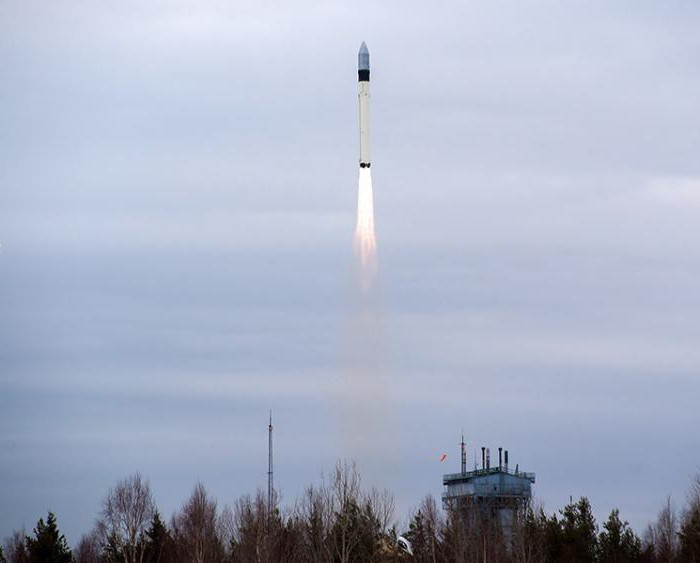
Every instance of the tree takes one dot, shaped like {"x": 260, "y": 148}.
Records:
{"x": 126, "y": 512}
{"x": 666, "y": 534}
{"x": 195, "y": 529}
{"x": 158, "y": 541}
{"x": 256, "y": 535}
{"x": 290, "y": 544}
{"x": 313, "y": 515}
{"x": 250, "y": 528}
{"x": 422, "y": 544}
{"x": 423, "y": 532}
{"x": 417, "y": 534}
{"x": 344, "y": 496}
{"x": 649, "y": 545}
{"x": 89, "y": 549}
{"x": 460, "y": 538}
{"x": 617, "y": 542}
{"x": 574, "y": 538}
{"x": 48, "y": 544}
{"x": 529, "y": 538}
{"x": 690, "y": 525}
{"x": 359, "y": 521}
{"x": 2, "y": 556}
{"x": 16, "y": 551}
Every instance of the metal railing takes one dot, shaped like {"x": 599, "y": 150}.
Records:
{"x": 484, "y": 472}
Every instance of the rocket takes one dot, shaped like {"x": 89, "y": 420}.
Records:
{"x": 363, "y": 94}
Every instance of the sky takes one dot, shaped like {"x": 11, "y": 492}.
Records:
{"x": 178, "y": 187}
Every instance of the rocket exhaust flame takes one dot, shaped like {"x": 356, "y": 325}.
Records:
{"x": 365, "y": 243}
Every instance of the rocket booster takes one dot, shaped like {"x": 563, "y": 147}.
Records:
{"x": 363, "y": 94}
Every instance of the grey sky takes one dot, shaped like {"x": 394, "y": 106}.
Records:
{"x": 177, "y": 197}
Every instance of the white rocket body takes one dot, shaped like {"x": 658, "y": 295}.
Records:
{"x": 363, "y": 94}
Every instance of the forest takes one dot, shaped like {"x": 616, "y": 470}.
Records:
{"x": 340, "y": 521}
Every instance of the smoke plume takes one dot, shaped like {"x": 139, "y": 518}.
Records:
{"x": 366, "y": 383}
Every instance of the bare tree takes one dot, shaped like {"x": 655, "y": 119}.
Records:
{"x": 345, "y": 503}
{"x": 15, "y": 549}
{"x": 434, "y": 522}
{"x": 250, "y": 528}
{"x": 665, "y": 534}
{"x": 314, "y": 513}
{"x": 649, "y": 541}
{"x": 226, "y": 527}
{"x": 382, "y": 505}
{"x": 126, "y": 512}
{"x": 458, "y": 534}
{"x": 528, "y": 540}
{"x": 473, "y": 532}
{"x": 259, "y": 536}
{"x": 89, "y": 549}
{"x": 195, "y": 529}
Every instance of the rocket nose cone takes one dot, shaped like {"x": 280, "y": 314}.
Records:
{"x": 363, "y": 57}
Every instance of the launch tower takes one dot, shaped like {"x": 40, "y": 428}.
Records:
{"x": 497, "y": 493}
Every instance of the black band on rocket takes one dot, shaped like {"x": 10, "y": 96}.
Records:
{"x": 363, "y": 75}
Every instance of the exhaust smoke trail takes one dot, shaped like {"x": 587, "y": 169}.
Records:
{"x": 365, "y": 243}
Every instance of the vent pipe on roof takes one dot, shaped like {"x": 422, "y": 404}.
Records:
{"x": 483, "y": 457}
{"x": 488, "y": 458}
{"x": 500, "y": 458}
{"x": 506, "y": 460}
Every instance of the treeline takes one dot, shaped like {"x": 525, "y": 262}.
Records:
{"x": 339, "y": 521}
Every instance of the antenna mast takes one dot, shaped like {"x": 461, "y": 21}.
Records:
{"x": 464, "y": 455}
{"x": 270, "y": 482}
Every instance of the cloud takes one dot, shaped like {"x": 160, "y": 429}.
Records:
{"x": 674, "y": 191}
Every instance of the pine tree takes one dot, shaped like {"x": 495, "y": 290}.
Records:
{"x": 423, "y": 536}
{"x": 529, "y": 537}
{"x": 574, "y": 537}
{"x": 690, "y": 536}
{"x": 158, "y": 541}
{"x": 418, "y": 536}
{"x": 48, "y": 545}
{"x": 618, "y": 543}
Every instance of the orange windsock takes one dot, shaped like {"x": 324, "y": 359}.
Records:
{"x": 443, "y": 457}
